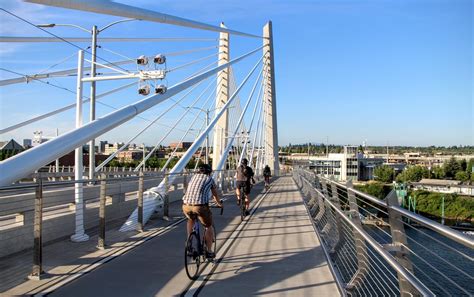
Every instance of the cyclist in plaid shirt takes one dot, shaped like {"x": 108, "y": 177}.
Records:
{"x": 196, "y": 202}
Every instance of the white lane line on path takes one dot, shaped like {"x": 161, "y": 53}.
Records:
{"x": 115, "y": 254}
{"x": 208, "y": 270}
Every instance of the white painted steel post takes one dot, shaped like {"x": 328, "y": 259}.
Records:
{"x": 271, "y": 131}
{"x": 92, "y": 103}
{"x": 79, "y": 234}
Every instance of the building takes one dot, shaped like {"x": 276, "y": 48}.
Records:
{"x": 349, "y": 165}
{"x": 38, "y": 138}
{"x": 443, "y": 186}
{"x": 181, "y": 145}
{"x": 27, "y": 143}
{"x": 130, "y": 155}
{"x": 111, "y": 148}
{"x": 102, "y": 145}
{"x": 10, "y": 146}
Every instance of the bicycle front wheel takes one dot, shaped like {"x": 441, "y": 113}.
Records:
{"x": 192, "y": 256}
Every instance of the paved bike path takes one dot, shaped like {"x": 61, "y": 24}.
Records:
{"x": 276, "y": 253}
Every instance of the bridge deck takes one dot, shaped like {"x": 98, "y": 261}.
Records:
{"x": 274, "y": 252}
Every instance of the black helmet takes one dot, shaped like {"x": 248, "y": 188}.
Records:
{"x": 245, "y": 161}
{"x": 205, "y": 168}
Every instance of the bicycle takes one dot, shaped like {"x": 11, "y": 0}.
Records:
{"x": 267, "y": 183}
{"x": 242, "y": 201}
{"x": 195, "y": 250}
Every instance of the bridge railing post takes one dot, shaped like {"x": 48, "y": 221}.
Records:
{"x": 102, "y": 201}
{"x": 399, "y": 244}
{"x": 185, "y": 182}
{"x": 37, "y": 270}
{"x": 359, "y": 241}
{"x": 166, "y": 202}
{"x": 140, "y": 202}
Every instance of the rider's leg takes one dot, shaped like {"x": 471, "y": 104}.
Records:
{"x": 189, "y": 226}
{"x": 237, "y": 192}
{"x": 209, "y": 236}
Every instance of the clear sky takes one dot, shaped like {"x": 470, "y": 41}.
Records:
{"x": 397, "y": 72}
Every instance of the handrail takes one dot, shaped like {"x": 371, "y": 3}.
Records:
{"x": 414, "y": 281}
{"x": 455, "y": 235}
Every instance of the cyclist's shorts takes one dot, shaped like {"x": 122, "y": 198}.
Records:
{"x": 245, "y": 185}
{"x": 202, "y": 212}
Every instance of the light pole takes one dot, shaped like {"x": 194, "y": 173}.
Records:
{"x": 94, "y": 32}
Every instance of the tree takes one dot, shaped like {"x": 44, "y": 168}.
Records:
{"x": 384, "y": 174}
{"x": 451, "y": 167}
{"x": 470, "y": 166}
{"x": 438, "y": 172}
{"x": 413, "y": 174}
{"x": 462, "y": 176}
{"x": 463, "y": 164}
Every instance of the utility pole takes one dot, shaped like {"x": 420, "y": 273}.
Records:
{"x": 92, "y": 103}
{"x": 207, "y": 137}
{"x": 327, "y": 146}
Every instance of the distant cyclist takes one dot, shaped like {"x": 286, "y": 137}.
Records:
{"x": 267, "y": 173}
{"x": 196, "y": 202}
{"x": 244, "y": 177}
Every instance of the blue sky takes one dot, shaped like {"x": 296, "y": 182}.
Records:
{"x": 397, "y": 72}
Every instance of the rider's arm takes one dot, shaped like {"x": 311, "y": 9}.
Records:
{"x": 215, "y": 195}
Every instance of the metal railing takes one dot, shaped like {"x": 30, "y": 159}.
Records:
{"x": 34, "y": 215}
{"x": 380, "y": 249}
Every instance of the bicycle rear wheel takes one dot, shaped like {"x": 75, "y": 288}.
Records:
{"x": 192, "y": 256}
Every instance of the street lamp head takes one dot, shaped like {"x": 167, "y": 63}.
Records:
{"x": 45, "y": 25}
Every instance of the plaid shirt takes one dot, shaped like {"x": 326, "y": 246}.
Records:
{"x": 199, "y": 189}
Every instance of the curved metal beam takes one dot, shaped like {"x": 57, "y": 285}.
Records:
{"x": 118, "y": 9}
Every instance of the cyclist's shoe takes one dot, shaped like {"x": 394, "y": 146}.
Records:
{"x": 247, "y": 212}
{"x": 210, "y": 255}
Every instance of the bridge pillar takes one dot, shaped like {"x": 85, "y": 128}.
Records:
{"x": 269, "y": 97}
{"x": 222, "y": 96}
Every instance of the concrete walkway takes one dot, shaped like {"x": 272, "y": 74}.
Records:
{"x": 274, "y": 252}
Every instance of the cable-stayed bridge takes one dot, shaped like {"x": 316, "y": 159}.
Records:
{"x": 101, "y": 230}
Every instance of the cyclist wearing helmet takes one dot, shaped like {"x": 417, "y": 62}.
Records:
{"x": 196, "y": 202}
{"x": 267, "y": 173}
{"x": 244, "y": 176}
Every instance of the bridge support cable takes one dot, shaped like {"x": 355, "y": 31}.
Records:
{"x": 187, "y": 132}
{"x": 62, "y": 109}
{"x": 176, "y": 123}
{"x": 21, "y": 39}
{"x": 248, "y": 138}
{"x": 261, "y": 143}
{"x": 257, "y": 106}
{"x": 232, "y": 136}
{"x": 26, "y": 162}
{"x": 256, "y": 134}
{"x": 150, "y": 197}
{"x": 112, "y": 156}
{"x": 118, "y": 9}
{"x": 73, "y": 71}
